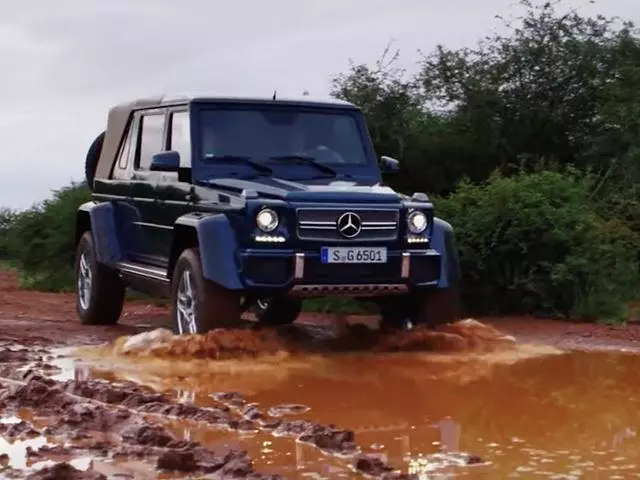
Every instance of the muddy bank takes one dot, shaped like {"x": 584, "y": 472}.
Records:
{"x": 126, "y": 422}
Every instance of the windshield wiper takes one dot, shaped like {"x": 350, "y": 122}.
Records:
{"x": 240, "y": 158}
{"x": 307, "y": 160}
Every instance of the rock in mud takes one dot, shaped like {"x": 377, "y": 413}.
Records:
{"x": 149, "y": 435}
{"x": 15, "y": 356}
{"x": 229, "y": 399}
{"x": 474, "y": 460}
{"x": 372, "y": 466}
{"x": 253, "y": 413}
{"x": 177, "y": 461}
{"x": 329, "y": 439}
{"x": 20, "y": 430}
{"x": 288, "y": 409}
{"x": 64, "y": 471}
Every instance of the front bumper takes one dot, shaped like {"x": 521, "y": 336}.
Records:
{"x": 301, "y": 273}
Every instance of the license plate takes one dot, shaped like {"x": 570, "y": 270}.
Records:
{"x": 353, "y": 255}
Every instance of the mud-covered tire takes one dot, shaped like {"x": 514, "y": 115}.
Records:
{"x": 211, "y": 305}
{"x": 100, "y": 301}
{"x": 91, "y": 162}
{"x": 432, "y": 308}
{"x": 278, "y": 311}
{"x": 396, "y": 313}
{"x": 438, "y": 307}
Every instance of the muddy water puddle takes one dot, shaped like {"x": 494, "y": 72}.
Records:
{"x": 515, "y": 412}
{"x": 476, "y": 405}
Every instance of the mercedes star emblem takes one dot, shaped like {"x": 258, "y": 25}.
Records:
{"x": 349, "y": 225}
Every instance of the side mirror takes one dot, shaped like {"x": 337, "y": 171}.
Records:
{"x": 389, "y": 164}
{"x": 165, "y": 162}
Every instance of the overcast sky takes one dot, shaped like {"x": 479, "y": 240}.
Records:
{"x": 63, "y": 63}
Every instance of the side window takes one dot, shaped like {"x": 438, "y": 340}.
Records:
{"x": 123, "y": 155}
{"x": 180, "y": 139}
{"x": 151, "y": 137}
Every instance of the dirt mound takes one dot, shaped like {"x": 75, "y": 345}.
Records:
{"x": 464, "y": 336}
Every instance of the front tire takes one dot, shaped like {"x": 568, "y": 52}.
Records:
{"x": 439, "y": 307}
{"x": 433, "y": 307}
{"x": 99, "y": 289}
{"x": 199, "y": 305}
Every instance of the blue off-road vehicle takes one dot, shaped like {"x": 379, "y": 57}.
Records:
{"x": 233, "y": 204}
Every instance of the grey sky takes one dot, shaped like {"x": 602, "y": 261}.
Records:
{"x": 64, "y": 62}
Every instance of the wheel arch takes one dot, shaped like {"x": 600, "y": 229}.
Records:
{"x": 216, "y": 240}
{"x": 443, "y": 240}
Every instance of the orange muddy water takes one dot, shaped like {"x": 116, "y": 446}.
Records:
{"x": 525, "y": 411}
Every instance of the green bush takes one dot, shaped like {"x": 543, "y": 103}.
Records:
{"x": 41, "y": 240}
{"x": 535, "y": 243}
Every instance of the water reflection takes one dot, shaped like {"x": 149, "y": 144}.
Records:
{"x": 572, "y": 414}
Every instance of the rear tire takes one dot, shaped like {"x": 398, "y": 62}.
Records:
{"x": 199, "y": 305}
{"x": 278, "y": 311}
{"x": 99, "y": 288}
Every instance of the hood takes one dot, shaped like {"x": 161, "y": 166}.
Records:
{"x": 320, "y": 191}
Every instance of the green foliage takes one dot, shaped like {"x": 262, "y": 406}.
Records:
{"x": 7, "y": 218}
{"x": 555, "y": 92}
{"x": 536, "y": 243}
{"x": 529, "y": 141}
{"x": 41, "y": 240}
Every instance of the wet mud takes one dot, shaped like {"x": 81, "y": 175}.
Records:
{"x": 125, "y": 421}
{"x": 497, "y": 398}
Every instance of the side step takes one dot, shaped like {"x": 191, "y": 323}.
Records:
{"x": 147, "y": 271}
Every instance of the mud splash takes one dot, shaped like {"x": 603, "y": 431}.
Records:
{"x": 467, "y": 336}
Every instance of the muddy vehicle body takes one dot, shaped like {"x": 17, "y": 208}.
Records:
{"x": 229, "y": 204}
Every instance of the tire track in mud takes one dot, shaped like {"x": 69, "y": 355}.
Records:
{"x": 114, "y": 422}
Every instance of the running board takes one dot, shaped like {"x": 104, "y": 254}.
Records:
{"x": 360, "y": 290}
{"x": 147, "y": 271}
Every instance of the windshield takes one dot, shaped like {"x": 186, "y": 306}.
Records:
{"x": 264, "y": 133}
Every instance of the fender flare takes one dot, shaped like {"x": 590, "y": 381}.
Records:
{"x": 100, "y": 219}
{"x": 216, "y": 240}
{"x": 443, "y": 241}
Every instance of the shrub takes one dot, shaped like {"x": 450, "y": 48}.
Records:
{"x": 41, "y": 240}
{"x": 535, "y": 243}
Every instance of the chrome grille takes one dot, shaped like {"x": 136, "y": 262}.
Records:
{"x": 322, "y": 224}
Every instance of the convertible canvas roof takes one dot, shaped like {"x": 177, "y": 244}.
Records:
{"x": 120, "y": 114}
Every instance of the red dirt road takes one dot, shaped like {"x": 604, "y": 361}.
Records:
{"x": 28, "y": 317}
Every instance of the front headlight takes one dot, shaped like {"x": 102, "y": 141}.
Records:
{"x": 267, "y": 220}
{"x": 417, "y": 222}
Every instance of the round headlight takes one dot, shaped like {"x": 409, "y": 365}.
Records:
{"x": 417, "y": 222}
{"x": 267, "y": 220}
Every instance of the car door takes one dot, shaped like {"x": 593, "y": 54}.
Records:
{"x": 174, "y": 188}
{"x": 145, "y": 187}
